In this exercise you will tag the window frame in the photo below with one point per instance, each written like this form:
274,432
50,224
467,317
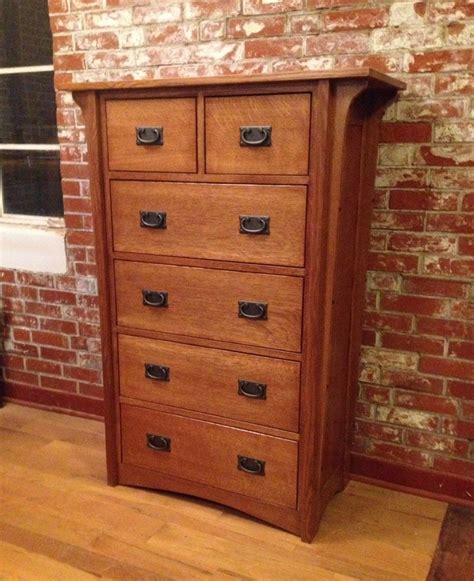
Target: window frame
28,219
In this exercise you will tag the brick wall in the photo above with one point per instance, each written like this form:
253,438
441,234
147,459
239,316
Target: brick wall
416,403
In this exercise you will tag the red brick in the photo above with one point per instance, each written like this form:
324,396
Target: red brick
16,376
412,380
412,343
355,19
10,361
384,63
82,374
91,390
405,132
25,349
421,243
337,43
466,245
449,266
40,366
53,339
96,40
429,403
195,9
58,355
69,62
457,155
436,442
263,7
256,26
63,43
387,321
59,383
376,394
414,304
419,285
305,23
460,223
447,367
211,30
59,326
440,60
454,466
462,310
397,220
368,337
468,203
379,431
285,47
461,349
399,454
445,328
56,399
393,262
468,410
58,297
424,200
461,389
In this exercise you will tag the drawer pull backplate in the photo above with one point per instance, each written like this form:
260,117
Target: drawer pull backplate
252,389
248,310
158,372
256,136
153,298
158,443
251,465
155,220
149,135
254,224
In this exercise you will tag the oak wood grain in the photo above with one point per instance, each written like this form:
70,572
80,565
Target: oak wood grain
203,221
289,118
204,303
177,117
208,453
207,380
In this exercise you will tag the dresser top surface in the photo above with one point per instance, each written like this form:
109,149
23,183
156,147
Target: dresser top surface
377,78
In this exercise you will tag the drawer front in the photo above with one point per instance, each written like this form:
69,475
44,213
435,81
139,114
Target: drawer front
211,454
133,125
260,224
258,134
211,304
244,387
253,309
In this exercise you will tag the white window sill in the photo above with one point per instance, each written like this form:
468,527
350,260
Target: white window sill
33,247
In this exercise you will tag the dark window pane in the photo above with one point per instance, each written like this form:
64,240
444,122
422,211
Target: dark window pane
31,183
27,108
25,35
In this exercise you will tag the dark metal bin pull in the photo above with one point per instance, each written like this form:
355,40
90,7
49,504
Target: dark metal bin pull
158,372
249,310
153,219
254,224
149,135
251,465
155,298
252,389
158,443
251,136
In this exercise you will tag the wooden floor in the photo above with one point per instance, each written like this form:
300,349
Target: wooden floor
59,520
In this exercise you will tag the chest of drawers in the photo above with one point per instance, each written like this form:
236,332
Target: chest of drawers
232,223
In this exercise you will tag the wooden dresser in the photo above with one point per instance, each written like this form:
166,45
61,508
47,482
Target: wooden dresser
232,223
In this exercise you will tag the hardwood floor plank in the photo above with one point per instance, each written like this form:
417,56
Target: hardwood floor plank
59,520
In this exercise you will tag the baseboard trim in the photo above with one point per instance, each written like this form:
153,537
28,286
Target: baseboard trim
418,481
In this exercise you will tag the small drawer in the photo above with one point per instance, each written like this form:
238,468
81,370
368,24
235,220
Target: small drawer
152,135
248,463
258,134
245,223
244,387
253,309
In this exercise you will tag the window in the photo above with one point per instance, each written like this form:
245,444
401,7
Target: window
30,182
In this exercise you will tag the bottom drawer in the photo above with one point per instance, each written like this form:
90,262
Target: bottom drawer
248,463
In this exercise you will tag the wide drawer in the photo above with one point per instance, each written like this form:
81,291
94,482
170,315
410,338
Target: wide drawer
152,135
248,463
258,134
245,223
244,387
254,309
